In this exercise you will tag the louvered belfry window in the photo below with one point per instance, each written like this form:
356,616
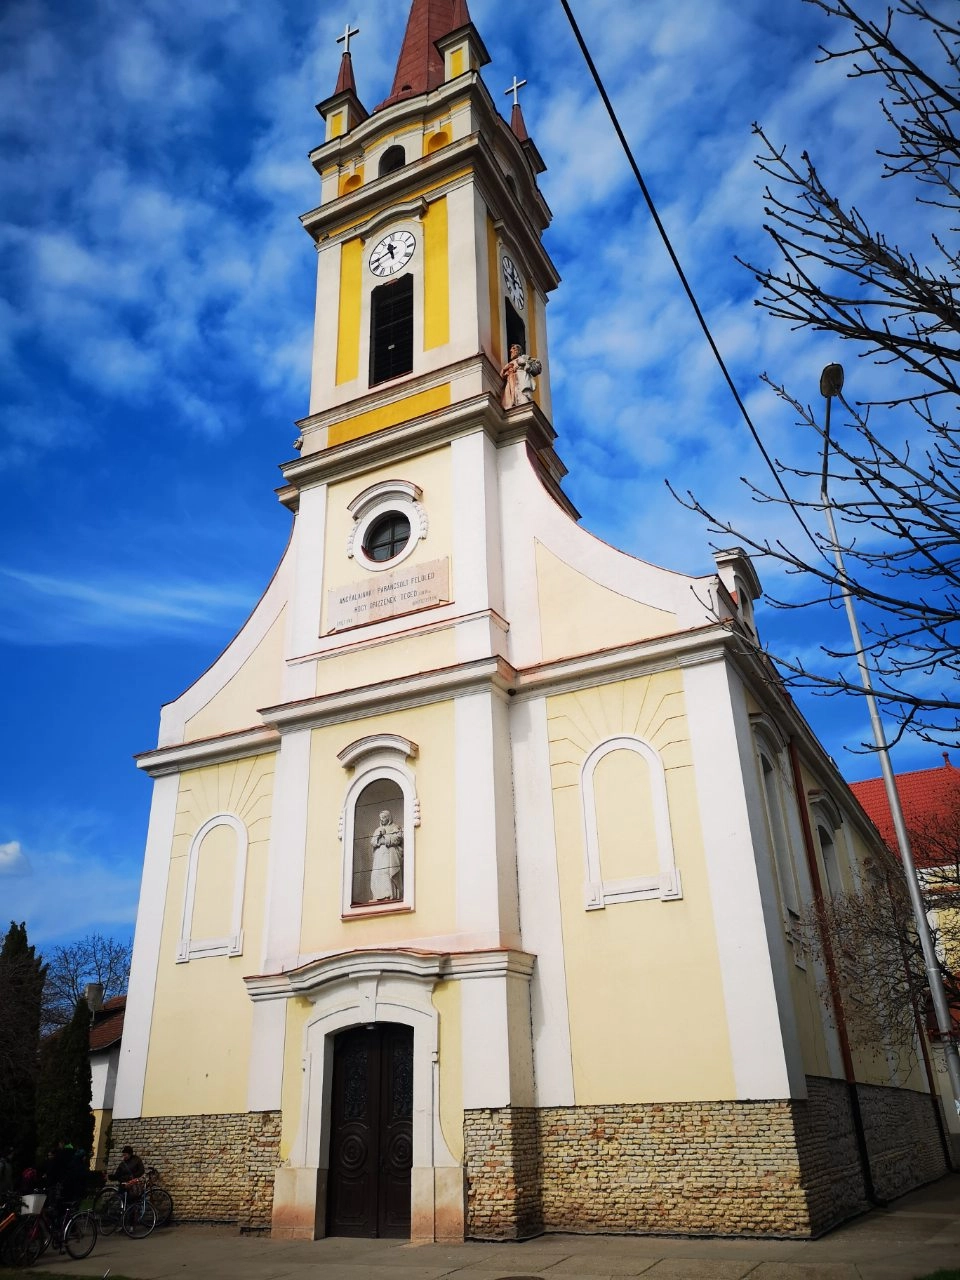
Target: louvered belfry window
391,330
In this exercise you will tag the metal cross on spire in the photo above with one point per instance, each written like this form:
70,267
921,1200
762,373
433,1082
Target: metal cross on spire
347,35
515,90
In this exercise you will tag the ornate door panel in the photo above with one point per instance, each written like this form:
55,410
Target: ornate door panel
371,1139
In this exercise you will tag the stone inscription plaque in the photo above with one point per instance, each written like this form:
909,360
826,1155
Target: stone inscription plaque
384,595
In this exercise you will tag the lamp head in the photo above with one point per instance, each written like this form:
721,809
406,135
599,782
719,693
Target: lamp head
831,380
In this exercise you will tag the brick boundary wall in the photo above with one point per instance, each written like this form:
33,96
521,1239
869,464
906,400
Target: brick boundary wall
217,1168
765,1168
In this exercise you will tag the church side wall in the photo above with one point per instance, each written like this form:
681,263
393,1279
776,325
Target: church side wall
199,1050
650,966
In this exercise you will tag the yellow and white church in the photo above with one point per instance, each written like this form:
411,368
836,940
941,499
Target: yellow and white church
474,862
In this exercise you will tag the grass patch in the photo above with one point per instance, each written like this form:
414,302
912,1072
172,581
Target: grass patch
950,1274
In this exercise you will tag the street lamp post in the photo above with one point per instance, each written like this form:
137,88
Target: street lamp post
831,384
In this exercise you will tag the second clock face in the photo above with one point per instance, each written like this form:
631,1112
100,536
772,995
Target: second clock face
392,253
512,282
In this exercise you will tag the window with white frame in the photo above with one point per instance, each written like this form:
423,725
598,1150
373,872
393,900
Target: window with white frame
388,523
626,817
378,822
770,748
211,923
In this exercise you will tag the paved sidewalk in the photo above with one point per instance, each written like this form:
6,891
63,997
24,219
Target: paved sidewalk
917,1235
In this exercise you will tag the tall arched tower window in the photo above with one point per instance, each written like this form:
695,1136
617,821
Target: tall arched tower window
391,330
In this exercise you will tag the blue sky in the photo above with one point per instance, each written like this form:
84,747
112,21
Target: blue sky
155,325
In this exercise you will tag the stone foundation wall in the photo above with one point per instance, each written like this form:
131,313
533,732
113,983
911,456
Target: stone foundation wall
217,1168
718,1168
829,1157
502,1158
903,1139
768,1168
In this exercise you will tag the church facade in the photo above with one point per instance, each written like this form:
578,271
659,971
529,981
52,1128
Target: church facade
475,862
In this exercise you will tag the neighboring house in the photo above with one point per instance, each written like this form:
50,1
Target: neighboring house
106,1030
930,800
475,864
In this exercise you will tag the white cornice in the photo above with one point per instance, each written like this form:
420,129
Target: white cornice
192,755
427,967
391,445
662,653
484,675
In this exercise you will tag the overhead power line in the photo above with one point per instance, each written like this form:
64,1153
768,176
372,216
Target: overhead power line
679,269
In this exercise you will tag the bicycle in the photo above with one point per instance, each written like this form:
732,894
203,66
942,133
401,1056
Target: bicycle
110,1202
48,1223
128,1207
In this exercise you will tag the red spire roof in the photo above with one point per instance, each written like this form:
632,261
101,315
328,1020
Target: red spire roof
345,81
420,66
517,124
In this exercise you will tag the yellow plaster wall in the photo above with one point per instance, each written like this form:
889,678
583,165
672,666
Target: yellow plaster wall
388,415
578,615
258,683
348,327
436,276
198,1061
446,1001
432,728
431,471
388,661
650,969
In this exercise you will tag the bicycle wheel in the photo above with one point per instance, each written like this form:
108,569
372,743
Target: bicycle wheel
162,1201
108,1208
80,1235
29,1242
139,1219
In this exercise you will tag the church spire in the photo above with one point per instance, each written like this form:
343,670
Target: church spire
343,110
420,65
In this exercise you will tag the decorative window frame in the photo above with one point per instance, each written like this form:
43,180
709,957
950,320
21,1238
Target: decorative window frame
380,755
188,947
826,814
387,497
598,893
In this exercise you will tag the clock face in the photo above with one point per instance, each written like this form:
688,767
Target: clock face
392,253
512,283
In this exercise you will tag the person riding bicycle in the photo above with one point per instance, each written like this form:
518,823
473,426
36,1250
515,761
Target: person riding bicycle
129,1168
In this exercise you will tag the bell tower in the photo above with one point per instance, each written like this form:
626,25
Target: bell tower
428,233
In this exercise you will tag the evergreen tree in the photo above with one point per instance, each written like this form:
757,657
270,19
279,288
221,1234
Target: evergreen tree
63,1094
22,974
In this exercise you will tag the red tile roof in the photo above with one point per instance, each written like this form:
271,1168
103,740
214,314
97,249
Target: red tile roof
107,1026
925,794
420,66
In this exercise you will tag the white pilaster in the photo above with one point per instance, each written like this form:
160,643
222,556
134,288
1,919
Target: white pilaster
132,1069
487,909
477,572
306,591
267,1036
539,888
285,861
764,1042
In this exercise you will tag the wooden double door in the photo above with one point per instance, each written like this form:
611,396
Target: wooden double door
371,1134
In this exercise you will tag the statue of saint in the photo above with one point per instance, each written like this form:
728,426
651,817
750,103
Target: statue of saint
518,375
386,871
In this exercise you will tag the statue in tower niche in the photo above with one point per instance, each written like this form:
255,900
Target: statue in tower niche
386,870
518,375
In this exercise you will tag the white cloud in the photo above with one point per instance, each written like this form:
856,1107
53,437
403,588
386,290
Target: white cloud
13,861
